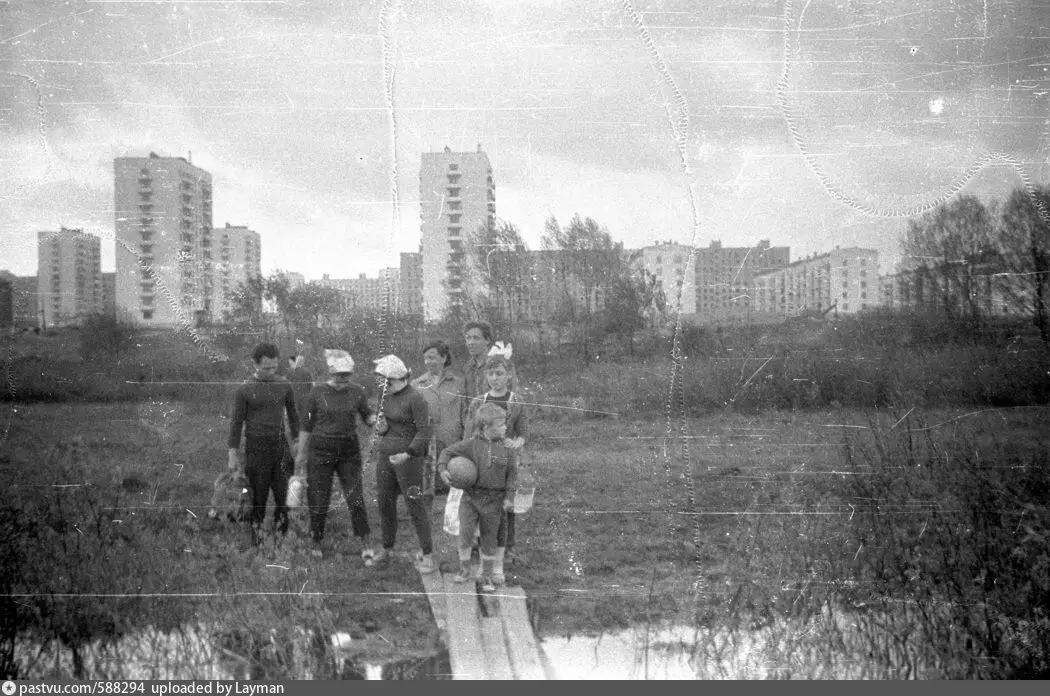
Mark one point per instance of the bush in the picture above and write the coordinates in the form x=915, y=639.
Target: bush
x=103, y=335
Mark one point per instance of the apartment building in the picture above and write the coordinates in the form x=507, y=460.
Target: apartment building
x=410, y=290
x=457, y=195
x=379, y=294
x=109, y=294
x=669, y=263
x=165, y=252
x=725, y=275
x=992, y=292
x=69, y=276
x=240, y=258
x=843, y=281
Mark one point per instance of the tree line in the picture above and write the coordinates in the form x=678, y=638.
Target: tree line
x=963, y=254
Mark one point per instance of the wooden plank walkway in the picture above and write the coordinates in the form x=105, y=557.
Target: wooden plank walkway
x=501, y=646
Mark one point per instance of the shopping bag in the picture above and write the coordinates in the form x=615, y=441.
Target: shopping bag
x=451, y=525
x=526, y=490
x=296, y=492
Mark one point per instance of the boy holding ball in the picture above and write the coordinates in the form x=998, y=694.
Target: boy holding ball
x=485, y=501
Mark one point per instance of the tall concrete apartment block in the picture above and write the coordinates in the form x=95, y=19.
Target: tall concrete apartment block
x=69, y=276
x=843, y=281
x=725, y=275
x=668, y=262
x=457, y=195
x=411, y=289
x=720, y=280
x=240, y=258
x=165, y=250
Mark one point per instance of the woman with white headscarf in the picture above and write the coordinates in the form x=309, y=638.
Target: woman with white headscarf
x=329, y=446
x=404, y=427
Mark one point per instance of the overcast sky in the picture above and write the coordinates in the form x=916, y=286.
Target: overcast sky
x=811, y=123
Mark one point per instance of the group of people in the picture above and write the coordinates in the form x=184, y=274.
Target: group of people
x=290, y=425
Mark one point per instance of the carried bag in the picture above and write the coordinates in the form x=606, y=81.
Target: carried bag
x=231, y=499
x=451, y=524
x=296, y=492
x=526, y=491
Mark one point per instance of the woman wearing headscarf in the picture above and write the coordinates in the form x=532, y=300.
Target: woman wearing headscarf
x=404, y=428
x=445, y=394
x=329, y=446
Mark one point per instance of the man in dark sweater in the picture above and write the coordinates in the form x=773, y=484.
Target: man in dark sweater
x=258, y=408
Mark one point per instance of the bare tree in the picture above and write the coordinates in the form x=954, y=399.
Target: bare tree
x=1024, y=244
x=504, y=269
x=951, y=253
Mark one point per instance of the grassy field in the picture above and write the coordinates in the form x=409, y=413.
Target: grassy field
x=746, y=522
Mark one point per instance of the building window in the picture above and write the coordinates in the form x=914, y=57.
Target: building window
x=147, y=314
x=452, y=167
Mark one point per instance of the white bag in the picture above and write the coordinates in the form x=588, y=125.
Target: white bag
x=296, y=492
x=451, y=525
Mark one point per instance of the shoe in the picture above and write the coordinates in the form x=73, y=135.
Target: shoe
x=426, y=565
x=499, y=578
x=379, y=557
x=487, y=585
x=369, y=557
x=465, y=574
x=316, y=552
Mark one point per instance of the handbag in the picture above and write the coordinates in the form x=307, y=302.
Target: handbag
x=296, y=492
x=451, y=523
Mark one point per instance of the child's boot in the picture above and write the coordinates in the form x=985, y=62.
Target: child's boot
x=497, y=570
x=465, y=572
x=488, y=564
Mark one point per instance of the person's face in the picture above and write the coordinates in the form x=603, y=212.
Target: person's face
x=476, y=342
x=341, y=378
x=434, y=361
x=393, y=386
x=496, y=430
x=498, y=378
x=266, y=368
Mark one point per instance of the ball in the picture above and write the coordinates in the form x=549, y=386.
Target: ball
x=463, y=473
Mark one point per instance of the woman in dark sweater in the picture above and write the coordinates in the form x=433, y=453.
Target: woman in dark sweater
x=329, y=446
x=404, y=425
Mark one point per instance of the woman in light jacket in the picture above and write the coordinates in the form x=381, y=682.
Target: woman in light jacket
x=445, y=394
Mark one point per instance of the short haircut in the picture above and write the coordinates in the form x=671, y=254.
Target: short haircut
x=442, y=349
x=483, y=326
x=494, y=361
x=265, y=350
x=488, y=413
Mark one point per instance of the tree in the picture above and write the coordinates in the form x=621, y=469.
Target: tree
x=629, y=299
x=246, y=303
x=591, y=263
x=952, y=253
x=1024, y=244
x=503, y=265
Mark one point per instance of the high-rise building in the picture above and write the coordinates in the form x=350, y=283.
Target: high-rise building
x=164, y=244
x=240, y=258
x=7, y=300
x=26, y=302
x=411, y=290
x=725, y=275
x=669, y=263
x=109, y=294
x=843, y=281
x=69, y=276
x=457, y=195
x=379, y=294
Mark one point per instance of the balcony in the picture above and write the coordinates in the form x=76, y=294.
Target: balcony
x=145, y=221
x=453, y=192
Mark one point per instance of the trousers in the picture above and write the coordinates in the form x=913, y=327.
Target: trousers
x=326, y=459
x=263, y=457
x=407, y=480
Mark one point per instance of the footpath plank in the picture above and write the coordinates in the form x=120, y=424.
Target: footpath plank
x=522, y=647
x=465, y=647
x=496, y=658
x=434, y=585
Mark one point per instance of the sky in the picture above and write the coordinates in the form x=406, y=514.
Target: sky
x=809, y=123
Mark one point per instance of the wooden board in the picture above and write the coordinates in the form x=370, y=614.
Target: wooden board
x=496, y=658
x=465, y=649
x=522, y=647
x=434, y=585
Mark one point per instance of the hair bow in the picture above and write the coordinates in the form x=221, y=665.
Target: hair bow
x=501, y=349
